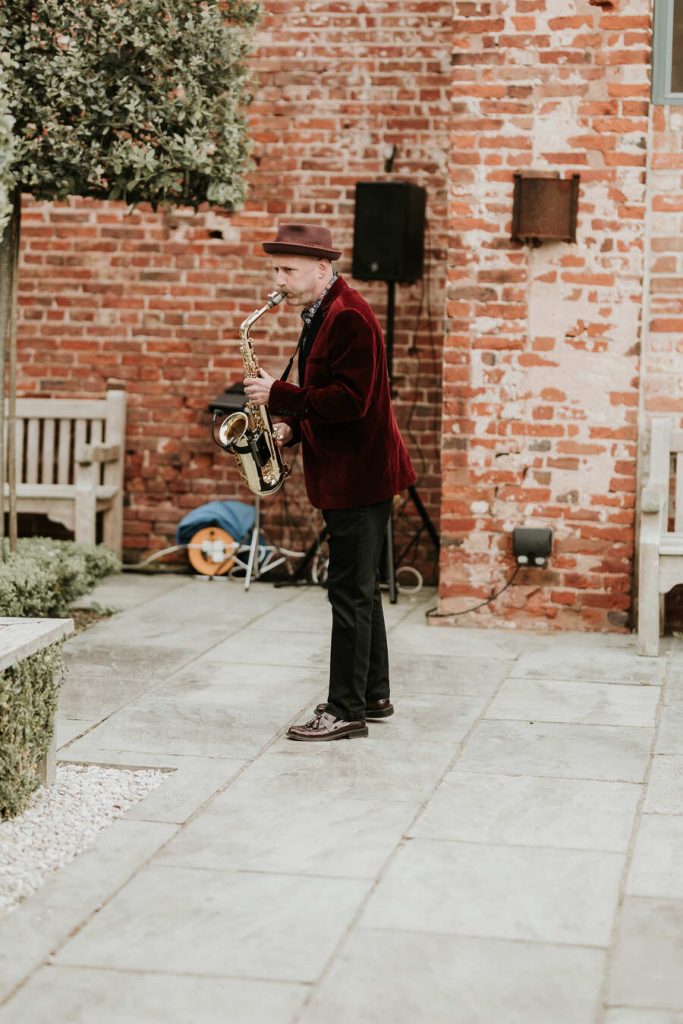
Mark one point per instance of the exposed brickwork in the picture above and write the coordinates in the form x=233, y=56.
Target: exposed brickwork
x=156, y=300
x=544, y=390
x=541, y=357
x=662, y=390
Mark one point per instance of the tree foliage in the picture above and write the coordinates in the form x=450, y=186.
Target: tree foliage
x=7, y=155
x=139, y=100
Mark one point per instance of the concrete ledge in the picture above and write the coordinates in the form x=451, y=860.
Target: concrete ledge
x=20, y=638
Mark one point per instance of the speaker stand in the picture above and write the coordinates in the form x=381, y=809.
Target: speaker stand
x=412, y=490
x=252, y=561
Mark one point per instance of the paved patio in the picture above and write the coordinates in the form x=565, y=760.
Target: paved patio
x=507, y=849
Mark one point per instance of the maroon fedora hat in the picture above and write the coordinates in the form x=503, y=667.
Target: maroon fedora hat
x=303, y=240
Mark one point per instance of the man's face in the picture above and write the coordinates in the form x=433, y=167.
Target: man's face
x=302, y=277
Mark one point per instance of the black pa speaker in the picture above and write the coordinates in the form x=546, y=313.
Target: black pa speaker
x=388, y=231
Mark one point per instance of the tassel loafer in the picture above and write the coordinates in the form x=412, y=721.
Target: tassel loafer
x=326, y=727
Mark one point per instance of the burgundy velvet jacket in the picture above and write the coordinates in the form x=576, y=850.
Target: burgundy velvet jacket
x=353, y=453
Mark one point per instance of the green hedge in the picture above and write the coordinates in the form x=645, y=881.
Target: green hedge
x=28, y=701
x=41, y=580
x=45, y=577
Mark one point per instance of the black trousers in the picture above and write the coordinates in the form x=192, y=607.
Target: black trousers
x=359, y=660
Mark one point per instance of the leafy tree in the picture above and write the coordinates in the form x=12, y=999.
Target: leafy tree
x=7, y=157
x=137, y=100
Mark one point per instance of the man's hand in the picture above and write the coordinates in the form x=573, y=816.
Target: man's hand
x=283, y=434
x=258, y=388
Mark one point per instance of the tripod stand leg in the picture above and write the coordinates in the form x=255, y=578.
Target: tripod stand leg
x=424, y=515
x=254, y=542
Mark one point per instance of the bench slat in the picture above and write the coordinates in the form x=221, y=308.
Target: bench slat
x=64, y=456
x=96, y=437
x=62, y=408
x=80, y=437
x=32, y=450
x=671, y=544
x=47, y=463
x=19, y=449
x=59, y=491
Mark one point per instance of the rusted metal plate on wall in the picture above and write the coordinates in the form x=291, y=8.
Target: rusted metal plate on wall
x=544, y=208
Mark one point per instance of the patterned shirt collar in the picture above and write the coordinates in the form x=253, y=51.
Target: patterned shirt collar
x=308, y=314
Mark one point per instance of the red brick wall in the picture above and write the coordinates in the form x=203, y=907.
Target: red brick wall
x=156, y=300
x=545, y=395
x=542, y=350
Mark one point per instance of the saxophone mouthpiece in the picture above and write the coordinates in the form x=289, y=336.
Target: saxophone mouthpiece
x=274, y=298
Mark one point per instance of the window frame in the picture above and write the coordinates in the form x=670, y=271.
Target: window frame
x=662, y=51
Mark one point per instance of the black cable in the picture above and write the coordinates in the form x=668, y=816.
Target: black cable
x=433, y=614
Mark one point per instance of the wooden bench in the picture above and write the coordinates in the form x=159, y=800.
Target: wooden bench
x=70, y=461
x=660, y=557
x=19, y=639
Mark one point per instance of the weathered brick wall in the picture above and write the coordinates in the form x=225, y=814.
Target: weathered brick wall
x=544, y=391
x=156, y=300
x=662, y=389
x=662, y=361
x=542, y=349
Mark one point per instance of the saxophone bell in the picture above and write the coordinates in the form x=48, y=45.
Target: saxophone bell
x=232, y=430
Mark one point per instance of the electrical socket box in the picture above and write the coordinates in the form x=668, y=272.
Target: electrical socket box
x=532, y=545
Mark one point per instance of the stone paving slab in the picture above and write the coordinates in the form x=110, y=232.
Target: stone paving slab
x=508, y=892
x=93, y=691
x=394, y=977
x=189, y=782
x=646, y=971
x=281, y=927
x=209, y=678
x=391, y=769
x=590, y=664
x=67, y=995
x=303, y=835
x=68, y=729
x=616, y=753
x=665, y=788
x=503, y=850
x=416, y=638
x=520, y=810
x=670, y=739
x=626, y=1015
x=563, y=700
x=465, y=676
x=125, y=590
x=657, y=866
x=275, y=647
x=45, y=921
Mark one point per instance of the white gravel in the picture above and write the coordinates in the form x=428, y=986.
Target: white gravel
x=61, y=821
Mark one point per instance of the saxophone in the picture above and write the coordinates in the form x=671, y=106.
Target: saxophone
x=248, y=435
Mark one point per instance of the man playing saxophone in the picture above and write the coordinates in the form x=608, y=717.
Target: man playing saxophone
x=354, y=461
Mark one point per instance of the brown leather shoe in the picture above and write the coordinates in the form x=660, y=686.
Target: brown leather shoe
x=373, y=709
x=326, y=727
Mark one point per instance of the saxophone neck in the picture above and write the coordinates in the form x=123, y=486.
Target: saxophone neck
x=273, y=299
